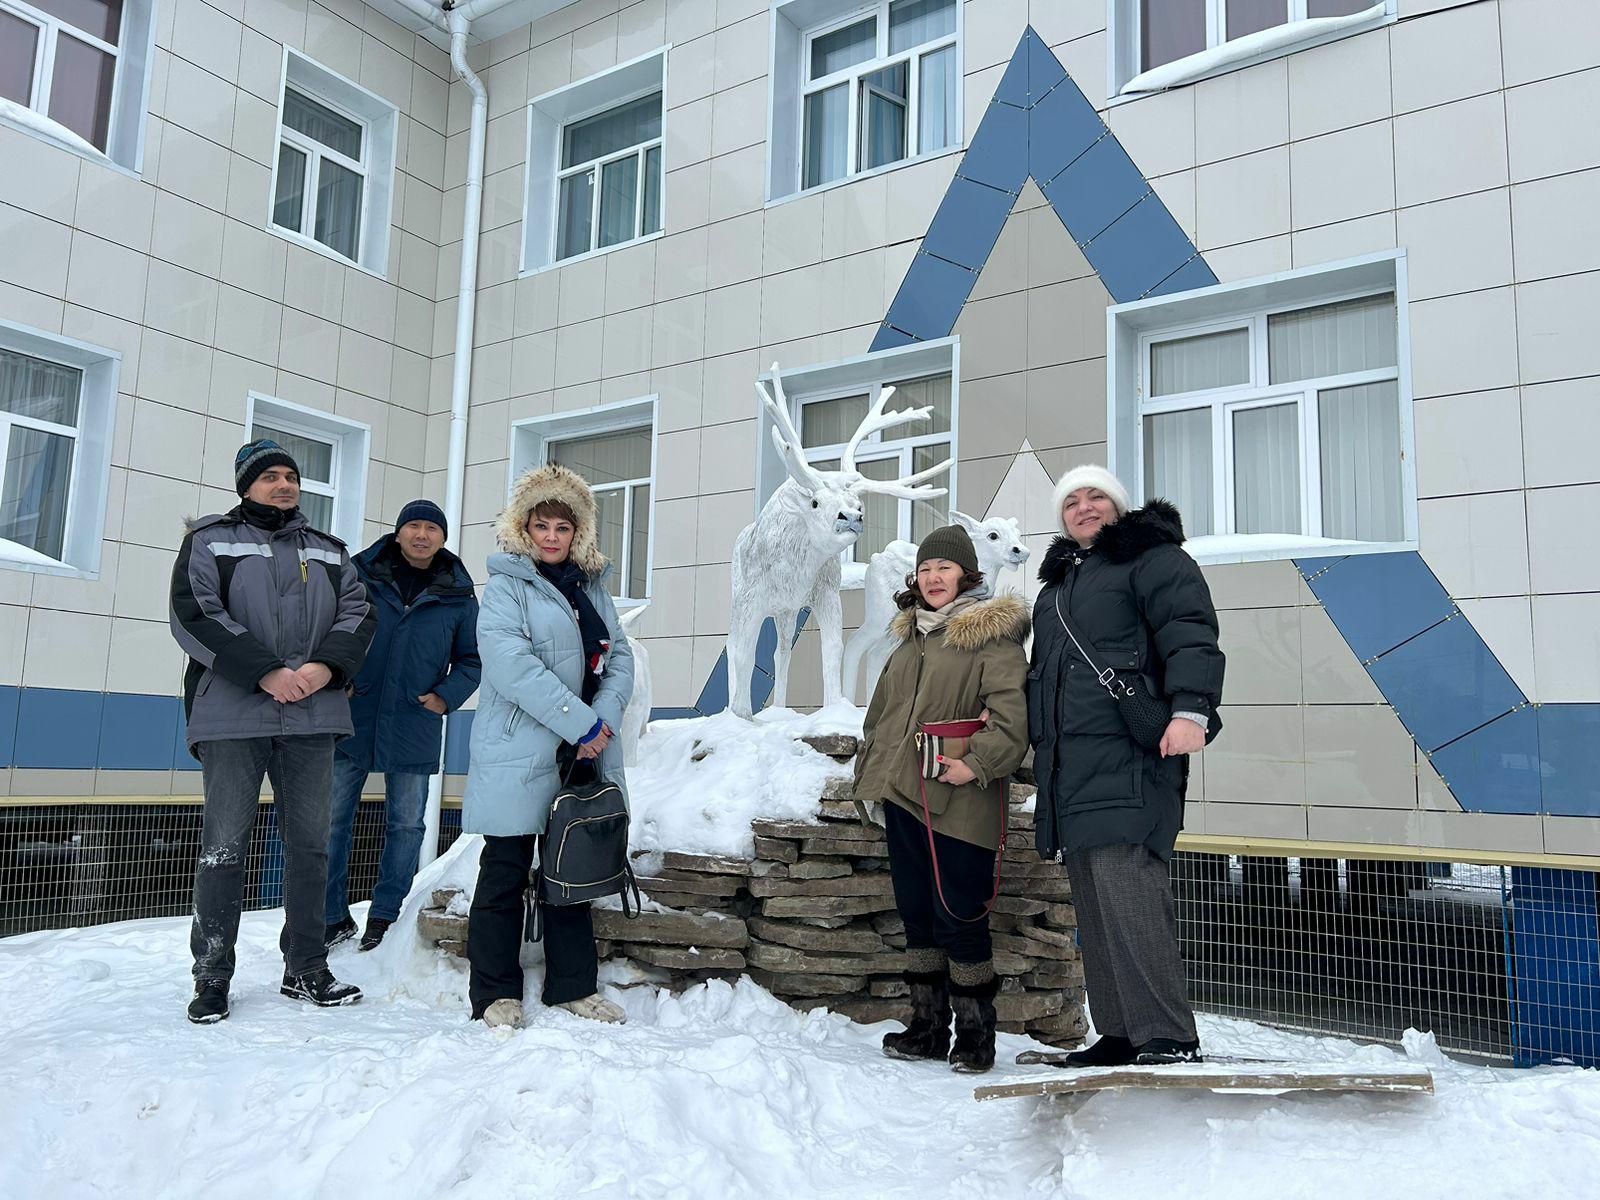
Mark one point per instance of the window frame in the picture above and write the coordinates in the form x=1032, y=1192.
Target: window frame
x=532, y=437
x=134, y=55
x=89, y=479
x=640, y=151
x=1124, y=29
x=1129, y=351
x=351, y=441
x=548, y=116
x=379, y=121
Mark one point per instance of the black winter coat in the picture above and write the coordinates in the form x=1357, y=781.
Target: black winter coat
x=1142, y=603
x=431, y=646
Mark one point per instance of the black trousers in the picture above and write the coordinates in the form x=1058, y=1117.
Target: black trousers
x=494, y=932
x=967, y=872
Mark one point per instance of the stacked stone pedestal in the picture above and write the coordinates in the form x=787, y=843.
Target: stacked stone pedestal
x=811, y=917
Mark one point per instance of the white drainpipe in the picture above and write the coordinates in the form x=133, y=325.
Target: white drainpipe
x=461, y=383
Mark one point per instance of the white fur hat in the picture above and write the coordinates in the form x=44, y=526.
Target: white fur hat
x=1093, y=476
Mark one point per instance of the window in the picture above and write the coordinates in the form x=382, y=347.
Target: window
x=57, y=411
x=826, y=423
x=1284, y=419
x=613, y=448
x=858, y=89
x=1188, y=39
x=77, y=70
x=331, y=453
x=335, y=167
x=595, y=164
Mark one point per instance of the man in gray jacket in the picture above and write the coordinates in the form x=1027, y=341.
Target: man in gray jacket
x=275, y=622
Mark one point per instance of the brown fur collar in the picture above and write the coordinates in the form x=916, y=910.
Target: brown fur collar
x=551, y=482
x=1006, y=616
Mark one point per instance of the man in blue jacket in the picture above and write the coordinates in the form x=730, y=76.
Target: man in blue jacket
x=422, y=665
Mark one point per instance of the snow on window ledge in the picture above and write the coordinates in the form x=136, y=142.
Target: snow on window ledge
x=1220, y=548
x=43, y=126
x=15, y=554
x=1277, y=40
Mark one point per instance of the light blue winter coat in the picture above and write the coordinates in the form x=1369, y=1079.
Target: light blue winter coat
x=529, y=701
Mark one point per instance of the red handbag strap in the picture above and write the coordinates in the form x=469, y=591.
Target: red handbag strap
x=933, y=853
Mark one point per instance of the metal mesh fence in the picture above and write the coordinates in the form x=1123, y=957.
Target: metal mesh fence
x=1496, y=962
x=84, y=864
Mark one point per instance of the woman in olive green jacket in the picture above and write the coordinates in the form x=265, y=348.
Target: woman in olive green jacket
x=960, y=657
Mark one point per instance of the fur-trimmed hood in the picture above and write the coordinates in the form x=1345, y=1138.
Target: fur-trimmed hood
x=1006, y=616
x=1156, y=524
x=552, y=482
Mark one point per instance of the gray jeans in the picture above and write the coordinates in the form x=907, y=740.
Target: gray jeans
x=301, y=770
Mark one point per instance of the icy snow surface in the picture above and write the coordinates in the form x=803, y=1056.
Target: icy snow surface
x=721, y=1092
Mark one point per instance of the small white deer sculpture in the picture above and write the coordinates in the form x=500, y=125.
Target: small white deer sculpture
x=998, y=542
x=636, y=717
x=787, y=560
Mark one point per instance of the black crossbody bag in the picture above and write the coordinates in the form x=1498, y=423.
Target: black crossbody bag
x=583, y=851
x=1138, y=696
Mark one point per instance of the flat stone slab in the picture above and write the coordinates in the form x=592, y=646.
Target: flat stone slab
x=811, y=868
x=842, y=849
x=777, y=850
x=834, y=745
x=439, y=926
x=780, y=907
x=1027, y=1006
x=841, y=831
x=684, y=901
x=807, y=937
x=1020, y=906
x=694, y=884
x=1031, y=948
x=672, y=929
x=442, y=896
x=1036, y=889
x=840, y=789
x=871, y=883
x=861, y=1011
x=808, y=985
x=1060, y=916
x=839, y=810
x=1057, y=974
x=684, y=958
x=787, y=960
x=706, y=864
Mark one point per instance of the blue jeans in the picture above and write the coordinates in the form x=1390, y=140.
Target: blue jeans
x=406, y=798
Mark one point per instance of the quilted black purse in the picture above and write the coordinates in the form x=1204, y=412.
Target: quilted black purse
x=1138, y=696
x=583, y=851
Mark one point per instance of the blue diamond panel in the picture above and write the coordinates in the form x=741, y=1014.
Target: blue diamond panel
x=1045, y=71
x=998, y=155
x=1315, y=566
x=930, y=297
x=1445, y=683
x=1140, y=249
x=1193, y=274
x=58, y=729
x=1097, y=188
x=888, y=337
x=1495, y=768
x=1013, y=87
x=136, y=732
x=1061, y=127
x=9, y=699
x=1380, y=600
x=967, y=225
x=1569, y=743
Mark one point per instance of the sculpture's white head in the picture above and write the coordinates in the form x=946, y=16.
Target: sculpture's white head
x=832, y=499
x=998, y=541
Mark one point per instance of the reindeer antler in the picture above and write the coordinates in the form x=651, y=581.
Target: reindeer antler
x=876, y=421
x=906, y=489
x=786, y=437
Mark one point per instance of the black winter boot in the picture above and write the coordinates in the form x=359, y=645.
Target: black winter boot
x=373, y=937
x=1158, y=1051
x=210, y=1003
x=973, y=1003
x=928, y=1035
x=339, y=931
x=321, y=988
x=1108, y=1051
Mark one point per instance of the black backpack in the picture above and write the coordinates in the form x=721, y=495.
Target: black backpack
x=583, y=851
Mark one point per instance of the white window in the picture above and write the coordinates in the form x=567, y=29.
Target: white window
x=613, y=447
x=862, y=88
x=1277, y=419
x=334, y=174
x=57, y=412
x=77, y=71
x=595, y=164
x=331, y=453
x=1160, y=43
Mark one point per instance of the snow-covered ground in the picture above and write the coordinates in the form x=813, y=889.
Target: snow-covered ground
x=721, y=1092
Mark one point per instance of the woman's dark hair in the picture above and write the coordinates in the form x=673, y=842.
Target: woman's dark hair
x=912, y=596
x=554, y=510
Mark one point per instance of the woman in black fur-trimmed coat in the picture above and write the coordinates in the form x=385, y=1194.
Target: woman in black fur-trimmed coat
x=1110, y=807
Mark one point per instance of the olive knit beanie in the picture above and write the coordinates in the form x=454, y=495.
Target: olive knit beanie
x=949, y=542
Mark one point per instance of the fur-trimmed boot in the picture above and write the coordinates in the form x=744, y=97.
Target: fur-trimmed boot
x=928, y=1035
x=973, y=1003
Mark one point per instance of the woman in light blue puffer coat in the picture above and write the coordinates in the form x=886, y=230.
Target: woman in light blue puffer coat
x=557, y=674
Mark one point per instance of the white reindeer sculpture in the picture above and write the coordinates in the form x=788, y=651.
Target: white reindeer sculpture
x=998, y=542
x=788, y=558
x=636, y=717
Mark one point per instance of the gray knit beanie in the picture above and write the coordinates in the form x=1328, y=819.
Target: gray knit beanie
x=950, y=542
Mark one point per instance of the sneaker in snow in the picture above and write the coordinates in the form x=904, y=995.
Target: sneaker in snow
x=503, y=1014
x=1160, y=1051
x=321, y=988
x=1107, y=1051
x=373, y=937
x=596, y=1008
x=210, y=1003
x=339, y=931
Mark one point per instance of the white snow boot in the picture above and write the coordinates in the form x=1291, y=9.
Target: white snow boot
x=504, y=1014
x=596, y=1008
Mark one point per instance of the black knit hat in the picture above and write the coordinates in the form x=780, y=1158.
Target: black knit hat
x=423, y=510
x=255, y=458
x=949, y=542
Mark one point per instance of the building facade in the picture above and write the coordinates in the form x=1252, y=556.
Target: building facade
x=1323, y=272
